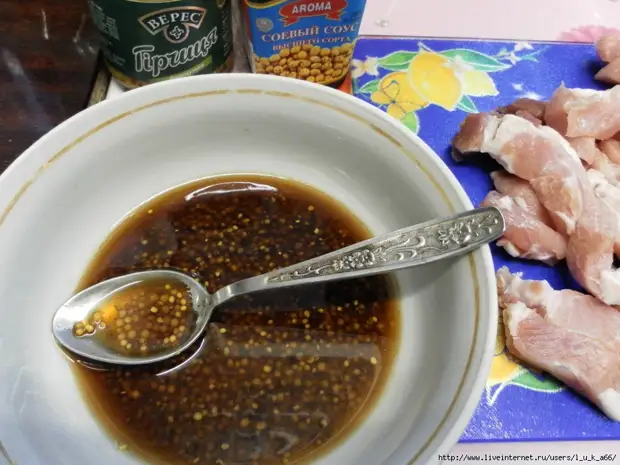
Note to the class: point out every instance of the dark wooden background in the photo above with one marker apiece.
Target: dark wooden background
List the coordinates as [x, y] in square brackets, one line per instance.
[48, 56]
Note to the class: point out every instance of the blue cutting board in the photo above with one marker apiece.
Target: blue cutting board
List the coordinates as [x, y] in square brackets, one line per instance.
[467, 76]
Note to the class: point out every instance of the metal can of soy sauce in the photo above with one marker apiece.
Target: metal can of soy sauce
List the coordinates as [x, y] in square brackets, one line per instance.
[147, 41]
[312, 40]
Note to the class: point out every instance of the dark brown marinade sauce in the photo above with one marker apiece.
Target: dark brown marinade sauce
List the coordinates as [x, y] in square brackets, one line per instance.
[280, 377]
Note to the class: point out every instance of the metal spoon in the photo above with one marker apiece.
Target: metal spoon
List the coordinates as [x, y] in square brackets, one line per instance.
[405, 248]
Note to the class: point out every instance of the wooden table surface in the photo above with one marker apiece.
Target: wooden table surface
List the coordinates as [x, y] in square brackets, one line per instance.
[48, 56]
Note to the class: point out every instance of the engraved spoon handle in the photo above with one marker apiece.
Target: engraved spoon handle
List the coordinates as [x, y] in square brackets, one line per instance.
[405, 248]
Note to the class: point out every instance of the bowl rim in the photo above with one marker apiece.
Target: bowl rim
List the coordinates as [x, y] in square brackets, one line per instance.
[158, 94]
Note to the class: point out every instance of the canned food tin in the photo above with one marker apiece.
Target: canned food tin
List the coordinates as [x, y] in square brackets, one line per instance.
[304, 39]
[146, 41]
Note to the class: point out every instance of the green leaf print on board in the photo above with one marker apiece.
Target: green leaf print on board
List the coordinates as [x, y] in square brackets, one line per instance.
[370, 87]
[530, 381]
[467, 104]
[412, 121]
[397, 61]
[476, 60]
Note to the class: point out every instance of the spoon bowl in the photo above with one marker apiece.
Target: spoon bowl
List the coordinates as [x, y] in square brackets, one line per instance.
[78, 307]
[404, 248]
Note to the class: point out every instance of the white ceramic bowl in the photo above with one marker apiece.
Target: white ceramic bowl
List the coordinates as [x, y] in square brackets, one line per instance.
[63, 196]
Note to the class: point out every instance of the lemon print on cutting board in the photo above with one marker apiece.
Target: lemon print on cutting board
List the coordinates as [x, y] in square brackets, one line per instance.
[444, 81]
[449, 79]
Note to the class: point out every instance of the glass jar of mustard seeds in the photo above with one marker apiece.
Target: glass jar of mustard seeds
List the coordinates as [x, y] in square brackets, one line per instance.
[312, 40]
[147, 41]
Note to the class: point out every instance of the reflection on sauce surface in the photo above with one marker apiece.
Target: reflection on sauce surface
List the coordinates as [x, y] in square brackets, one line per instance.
[280, 376]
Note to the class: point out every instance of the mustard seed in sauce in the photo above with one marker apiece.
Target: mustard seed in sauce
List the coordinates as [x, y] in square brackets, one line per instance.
[144, 318]
[280, 377]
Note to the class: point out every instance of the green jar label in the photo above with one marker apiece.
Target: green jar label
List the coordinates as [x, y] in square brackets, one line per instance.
[149, 41]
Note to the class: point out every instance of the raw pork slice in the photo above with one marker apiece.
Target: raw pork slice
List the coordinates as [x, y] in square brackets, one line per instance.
[609, 73]
[589, 255]
[608, 48]
[536, 108]
[475, 129]
[570, 335]
[522, 193]
[526, 236]
[603, 164]
[585, 148]
[555, 114]
[537, 154]
[527, 108]
[584, 112]
[611, 148]
[609, 193]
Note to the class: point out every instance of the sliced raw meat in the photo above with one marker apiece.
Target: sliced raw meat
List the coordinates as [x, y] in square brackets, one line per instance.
[584, 112]
[611, 148]
[535, 108]
[537, 154]
[528, 116]
[608, 48]
[475, 129]
[525, 235]
[610, 73]
[610, 170]
[585, 148]
[555, 114]
[566, 308]
[522, 193]
[570, 335]
[590, 250]
[610, 195]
